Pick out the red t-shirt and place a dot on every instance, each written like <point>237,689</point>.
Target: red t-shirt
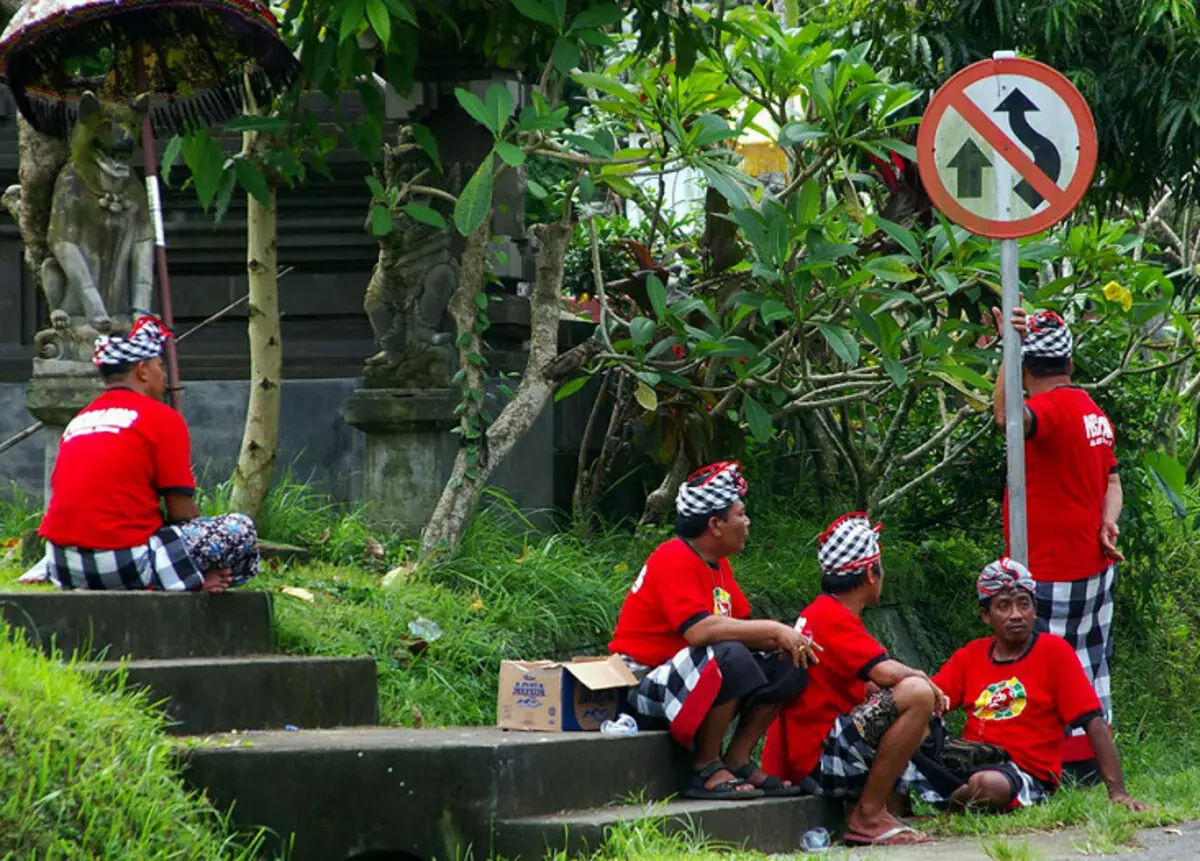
<point>675,589</point>
<point>1068,460</point>
<point>835,686</point>
<point>116,458</point>
<point>1023,706</point>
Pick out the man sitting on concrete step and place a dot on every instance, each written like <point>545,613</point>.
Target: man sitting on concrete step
<point>685,631</point>
<point>1020,690</point>
<point>126,451</point>
<point>857,728</point>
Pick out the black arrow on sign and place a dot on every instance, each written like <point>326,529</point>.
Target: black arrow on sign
<point>969,161</point>
<point>1045,153</point>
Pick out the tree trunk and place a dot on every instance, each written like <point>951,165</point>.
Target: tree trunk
<point>450,515</point>
<point>260,439</point>
<point>40,158</point>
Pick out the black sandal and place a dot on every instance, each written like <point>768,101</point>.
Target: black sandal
<point>725,791</point>
<point>771,787</point>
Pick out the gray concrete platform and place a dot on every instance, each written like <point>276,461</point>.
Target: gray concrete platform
<point>205,695</point>
<point>766,824</point>
<point>109,625</point>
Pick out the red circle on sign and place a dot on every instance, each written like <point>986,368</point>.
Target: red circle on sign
<point>1062,202</point>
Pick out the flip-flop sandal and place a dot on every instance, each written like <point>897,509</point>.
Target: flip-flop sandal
<point>898,836</point>
<point>725,791</point>
<point>772,786</point>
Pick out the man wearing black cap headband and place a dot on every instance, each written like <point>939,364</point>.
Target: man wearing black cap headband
<point>1073,502</point>
<point>685,631</point>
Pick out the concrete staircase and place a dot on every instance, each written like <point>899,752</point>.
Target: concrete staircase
<point>347,790</point>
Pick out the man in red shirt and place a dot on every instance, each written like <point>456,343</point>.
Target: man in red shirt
<point>685,631</point>
<point>1020,689</point>
<point>1073,502</point>
<point>118,458</point>
<point>857,727</point>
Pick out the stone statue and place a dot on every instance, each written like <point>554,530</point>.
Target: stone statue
<point>99,274</point>
<point>410,288</point>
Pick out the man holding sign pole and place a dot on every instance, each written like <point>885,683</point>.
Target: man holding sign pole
<point>1073,501</point>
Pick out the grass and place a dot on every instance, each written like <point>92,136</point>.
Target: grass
<point>88,773</point>
<point>1000,849</point>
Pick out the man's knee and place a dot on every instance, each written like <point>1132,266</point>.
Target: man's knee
<point>730,653</point>
<point>243,524</point>
<point>990,788</point>
<point>914,693</point>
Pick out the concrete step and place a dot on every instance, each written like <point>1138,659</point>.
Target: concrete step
<point>422,792</point>
<point>765,825</point>
<point>140,625</point>
<point>210,695</point>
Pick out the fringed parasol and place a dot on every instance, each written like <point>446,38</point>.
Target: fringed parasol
<point>199,59</point>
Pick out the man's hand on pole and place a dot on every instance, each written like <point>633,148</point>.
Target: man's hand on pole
<point>1019,321</point>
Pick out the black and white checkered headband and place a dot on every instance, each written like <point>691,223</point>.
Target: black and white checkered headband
<point>711,489</point>
<point>1048,337</point>
<point>144,342</point>
<point>850,544</point>
<point>1004,575</point>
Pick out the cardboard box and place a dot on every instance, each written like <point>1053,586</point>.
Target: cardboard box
<point>550,696</point>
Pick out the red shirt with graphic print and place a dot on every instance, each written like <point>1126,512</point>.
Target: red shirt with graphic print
<point>116,458</point>
<point>1023,705</point>
<point>835,686</point>
<point>675,589</point>
<point>1069,457</point>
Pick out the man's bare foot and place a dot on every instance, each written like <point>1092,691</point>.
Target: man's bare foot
<point>865,829</point>
<point>216,581</point>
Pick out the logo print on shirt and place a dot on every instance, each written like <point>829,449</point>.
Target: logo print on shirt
<point>641,577</point>
<point>722,603</point>
<point>1001,701</point>
<point>1097,429</point>
<point>111,420</point>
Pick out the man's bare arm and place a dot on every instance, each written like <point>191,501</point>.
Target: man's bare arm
<point>759,634</point>
<point>181,507</point>
<point>1108,762</point>
<point>1114,500</point>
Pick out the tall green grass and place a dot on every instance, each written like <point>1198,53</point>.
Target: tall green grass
<point>89,773</point>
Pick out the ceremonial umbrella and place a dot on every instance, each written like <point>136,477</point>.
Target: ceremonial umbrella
<point>200,61</point>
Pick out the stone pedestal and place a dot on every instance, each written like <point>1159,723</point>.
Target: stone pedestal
<point>58,389</point>
<point>409,452</point>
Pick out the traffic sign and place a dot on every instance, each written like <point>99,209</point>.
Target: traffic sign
<point>1007,148</point>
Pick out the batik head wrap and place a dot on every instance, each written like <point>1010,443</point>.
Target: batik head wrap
<point>849,545</point>
<point>1047,336</point>
<point>1004,575</point>
<point>143,342</point>
<point>711,489</point>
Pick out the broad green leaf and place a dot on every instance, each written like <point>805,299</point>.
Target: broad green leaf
<point>807,203</point>
<point>537,10</point>
<point>401,10</point>
<point>224,194</point>
<point>758,419</point>
<point>867,324</point>
<point>641,329</point>
<point>381,220</point>
<point>713,128</point>
<point>907,241</point>
<point>619,184</point>
<point>597,16</point>
<point>968,375</point>
<point>252,179</point>
<point>890,269</point>
<point>377,190</point>
<point>170,154</point>
<point>353,14</point>
<point>426,141</point>
<point>474,106</point>
<point>772,310</point>
<point>948,280</point>
<point>570,387</point>
<point>251,123</point>
<point>560,13</point>
<point>798,133</point>
<point>565,55</point>
<point>896,371</point>
<point>499,105</point>
<point>608,86</point>
<point>475,203</point>
<point>662,346</point>
<point>646,397</point>
<point>532,121</point>
<point>206,161</point>
<point>512,154</point>
<point>381,21</point>
<point>840,341</point>
<point>1170,476</point>
<point>591,146</point>
<point>658,296</point>
<point>425,215</point>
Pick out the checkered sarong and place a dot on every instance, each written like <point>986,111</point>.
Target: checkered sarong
<point>846,759</point>
<point>1081,612</point>
<point>173,558</point>
<point>680,691</point>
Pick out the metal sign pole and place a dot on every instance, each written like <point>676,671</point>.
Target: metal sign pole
<point>1014,405</point>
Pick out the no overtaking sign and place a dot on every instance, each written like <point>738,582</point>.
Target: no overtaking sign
<point>1007,148</point>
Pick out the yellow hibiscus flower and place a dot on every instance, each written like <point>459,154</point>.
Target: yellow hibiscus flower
<point>1114,292</point>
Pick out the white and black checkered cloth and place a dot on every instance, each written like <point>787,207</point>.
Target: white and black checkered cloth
<point>161,563</point>
<point>1081,612</point>
<point>846,759</point>
<point>1047,336</point>
<point>1004,575</point>
<point>143,342</point>
<point>666,691</point>
<point>850,544</point>
<point>710,489</point>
